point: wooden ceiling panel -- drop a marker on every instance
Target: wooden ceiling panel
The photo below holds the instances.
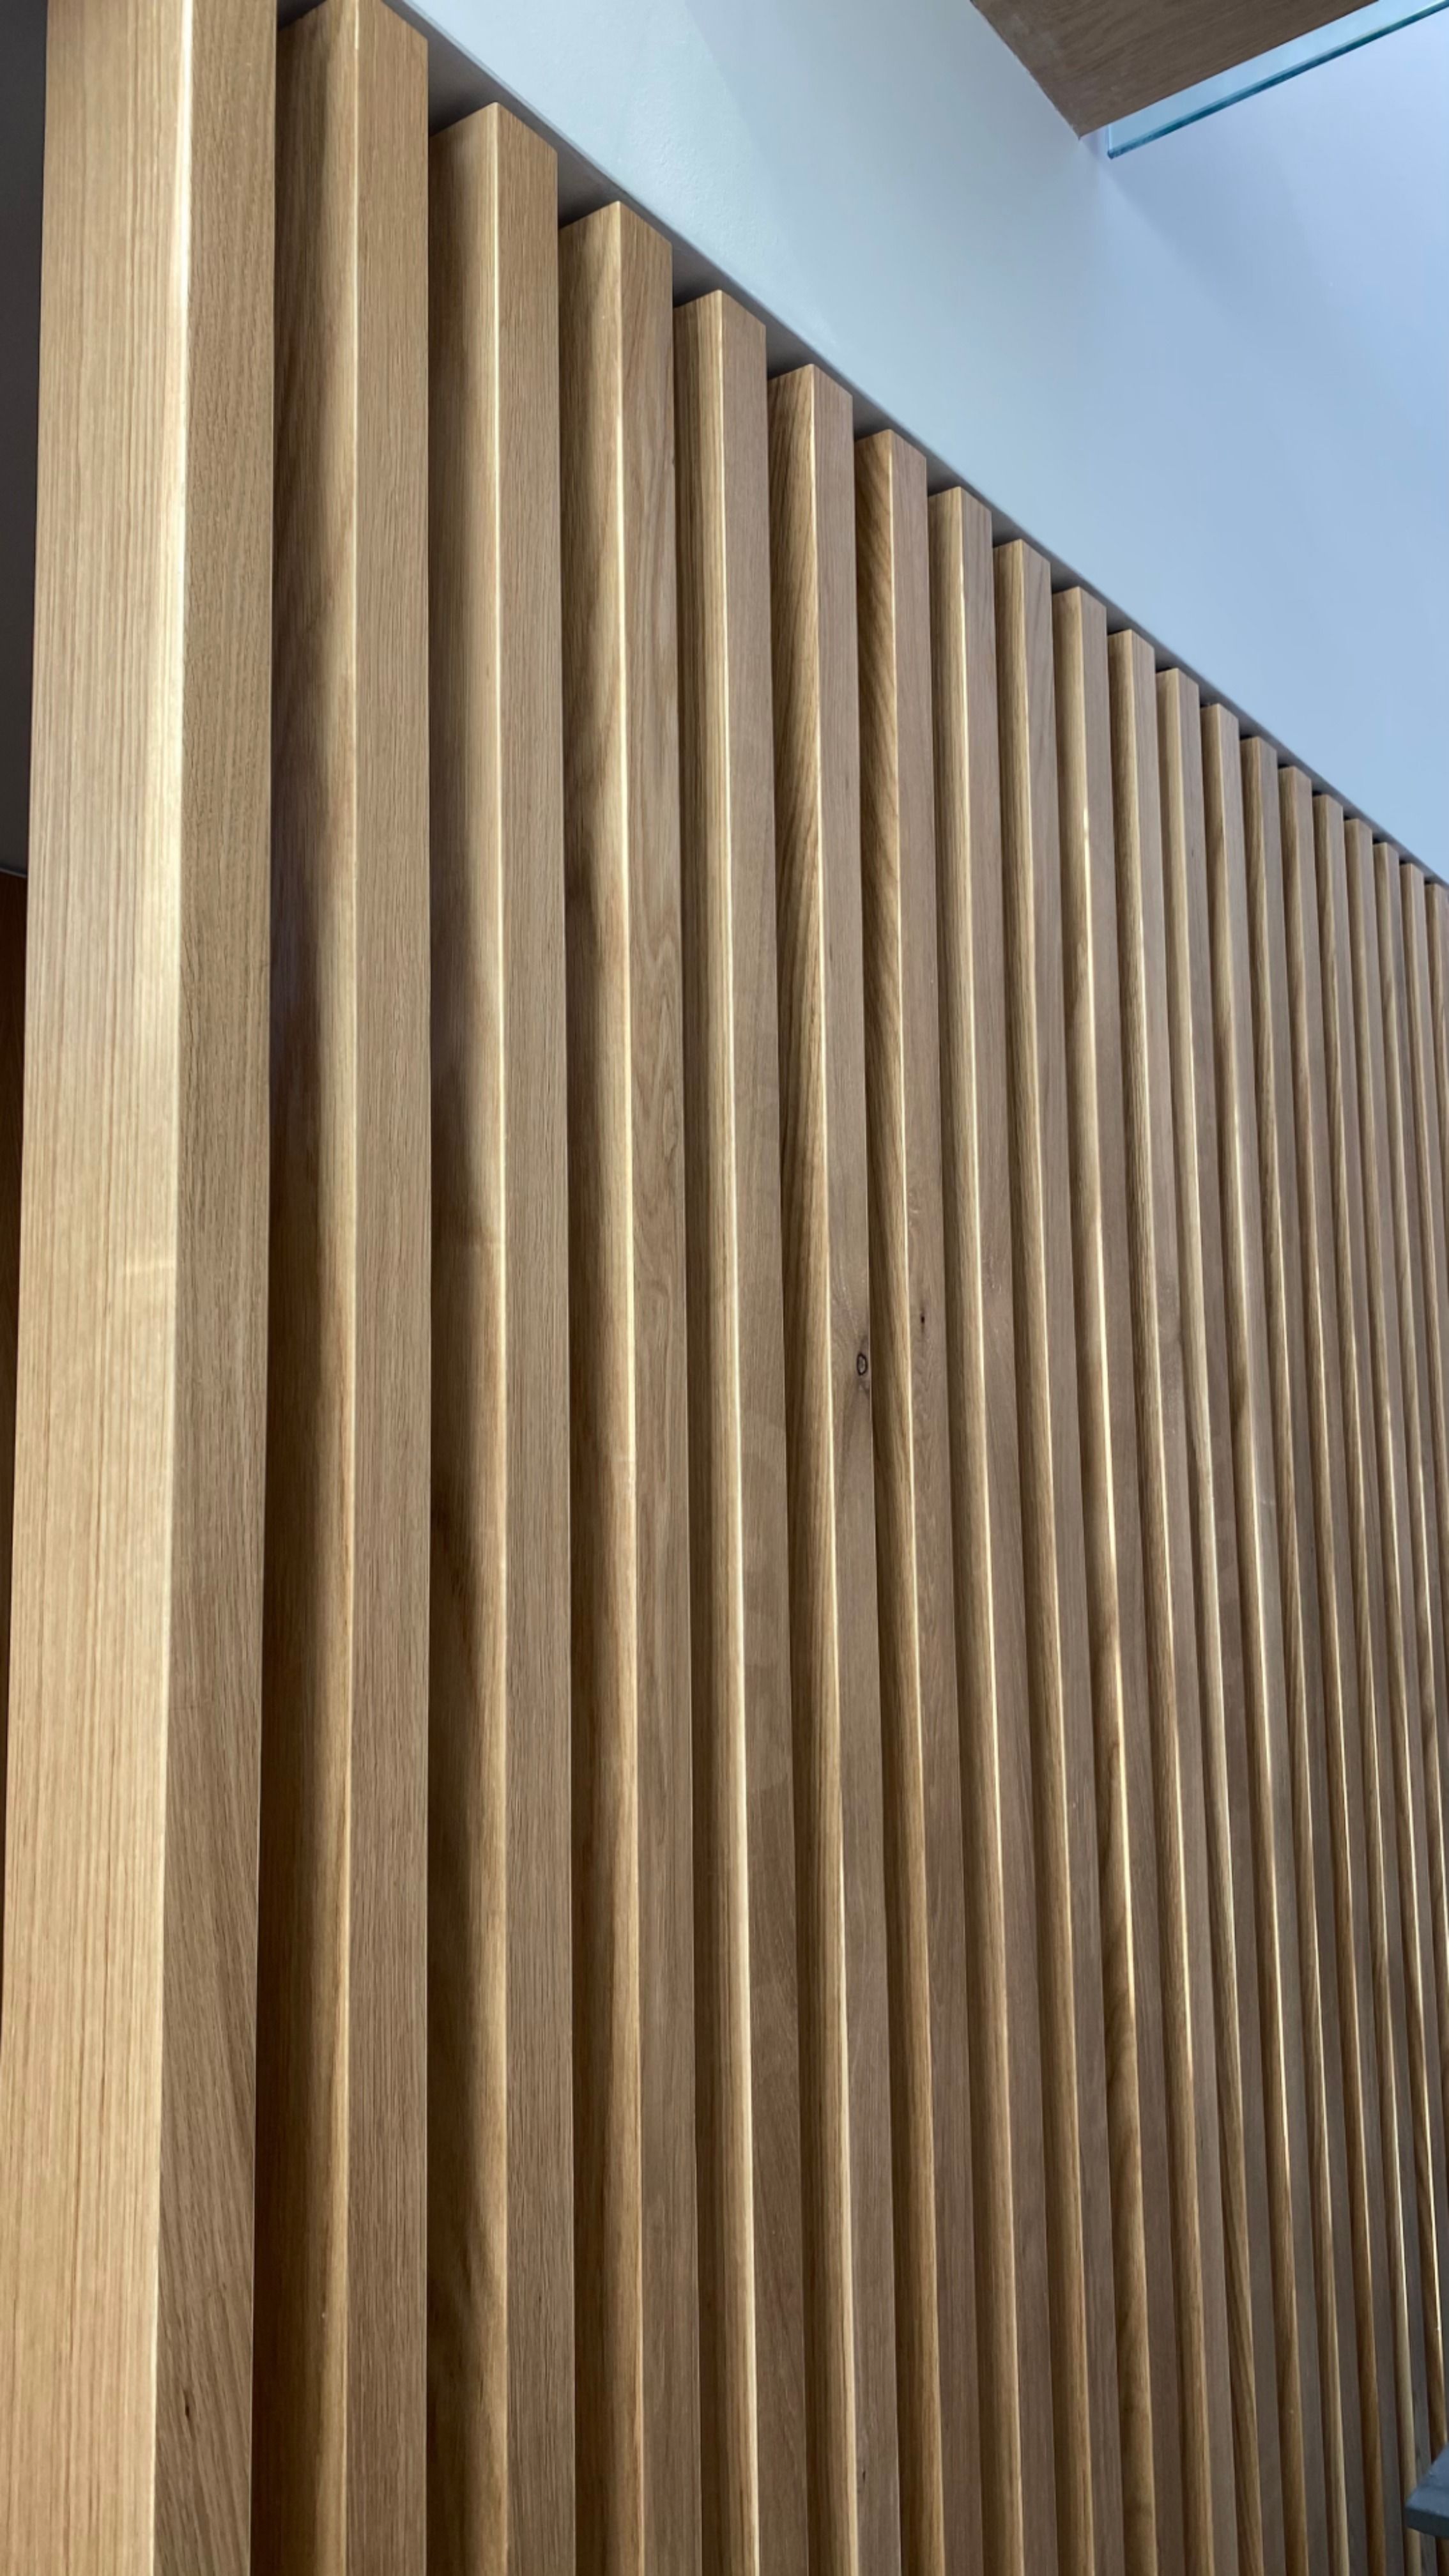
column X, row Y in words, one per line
column 1100, row 59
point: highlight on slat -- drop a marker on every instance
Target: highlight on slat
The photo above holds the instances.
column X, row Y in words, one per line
column 1314, row 1539
column 1399, row 2012
column 1074, row 2047
column 637, row 2401
column 1436, row 904
column 939, row 2416
column 1207, row 2256
column 1316, row 2518
column 1147, row 2364
column 752, row 2317
column 14, row 897
column 500, row 2046
column 135, row 1375
column 339, row 2389
column 835, row 1673
column 1008, row 2173
column 1358, row 956
column 1235, row 1930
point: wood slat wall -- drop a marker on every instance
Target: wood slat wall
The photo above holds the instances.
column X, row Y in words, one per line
column 783, row 1813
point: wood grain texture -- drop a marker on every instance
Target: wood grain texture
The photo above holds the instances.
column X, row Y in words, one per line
column 1074, row 2047
column 1009, row 2181
column 127, row 2082
column 936, row 2349
column 1147, row 2365
column 1429, row 1257
column 500, row 2048
column 1314, row 1545
column 1289, row 1985
column 1221, row 1649
column 1391, row 1367
column 1413, row 1281
column 13, row 899
column 1200, row 2267
column 752, row 2317
column 1112, row 56
column 339, row 2396
column 1391, row 1924
column 835, row 1671
column 637, row 2398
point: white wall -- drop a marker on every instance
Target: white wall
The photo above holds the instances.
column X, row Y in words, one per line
column 1213, row 378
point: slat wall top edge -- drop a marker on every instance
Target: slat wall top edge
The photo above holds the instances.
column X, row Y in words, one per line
column 460, row 85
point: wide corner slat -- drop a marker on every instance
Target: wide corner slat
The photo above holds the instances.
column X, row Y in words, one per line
column 126, row 2090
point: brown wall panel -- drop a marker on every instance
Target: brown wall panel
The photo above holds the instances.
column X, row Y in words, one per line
column 752, row 2328
column 127, row 2083
column 1289, row 1990
column 1202, row 2268
column 637, row 2402
column 1013, row 2313
column 1428, row 1259
column 1351, row 925
column 939, row 2413
column 1243, row 798
column 1079, row 2198
column 1221, row 1644
column 1329, row 1823
column 730, row 1852
column 840, row 1879
column 1399, row 2015
column 500, row 2048
column 1412, row 1280
column 1147, row 2366
column 340, row 2381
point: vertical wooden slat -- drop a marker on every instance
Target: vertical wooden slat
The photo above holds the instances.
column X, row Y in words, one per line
column 835, row 1673
column 500, row 2090
column 752, row 2332
column 635, row 2243
column 1260, row 2479
column 1308, row 1431
column 1244, row 808
column 1288, row 1994
column 1126, row 1820
column 1429, row 1253
column 1353, row 930
column 1391, row 1922
column 1208, row 2261
column 1079, row 2198
column 1436, row 906
column 1009, row 2183
column 1413, row 1288
column 340, row 2383
column 13, row 894
column 939, row 2410
column 1436, row 1043
column 126, row 2093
